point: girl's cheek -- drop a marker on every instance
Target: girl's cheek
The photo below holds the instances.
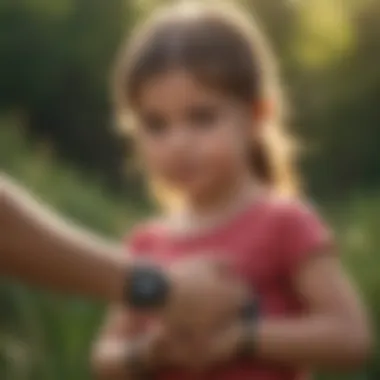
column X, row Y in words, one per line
column 157, row 158
column 153, row 161
column 148, row 153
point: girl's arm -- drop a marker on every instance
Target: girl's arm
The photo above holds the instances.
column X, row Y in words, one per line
column 334, row 329
column 334, row 333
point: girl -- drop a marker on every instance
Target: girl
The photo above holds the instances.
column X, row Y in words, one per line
column 203, row 89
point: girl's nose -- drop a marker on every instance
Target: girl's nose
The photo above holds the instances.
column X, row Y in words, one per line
column 180, row 138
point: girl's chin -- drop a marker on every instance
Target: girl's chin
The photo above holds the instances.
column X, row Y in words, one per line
column 192, row 188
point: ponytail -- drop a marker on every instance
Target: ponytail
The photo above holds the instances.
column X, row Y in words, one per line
column 272, row 161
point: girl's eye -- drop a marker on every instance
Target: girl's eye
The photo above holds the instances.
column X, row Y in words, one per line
column 154, row 125
column 203, row 116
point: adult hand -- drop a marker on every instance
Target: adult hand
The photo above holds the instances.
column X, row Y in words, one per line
column 224, row 347
column 204, row 296
column 214, row 351
column 205, row 300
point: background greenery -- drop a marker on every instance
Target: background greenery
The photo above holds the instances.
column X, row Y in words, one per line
column 57, row 136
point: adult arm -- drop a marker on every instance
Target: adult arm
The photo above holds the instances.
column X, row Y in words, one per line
column 39, row 248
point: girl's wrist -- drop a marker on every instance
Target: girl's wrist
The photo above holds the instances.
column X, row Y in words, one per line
column 247, row 345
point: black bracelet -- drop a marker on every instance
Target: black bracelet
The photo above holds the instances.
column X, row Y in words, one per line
column 249, row 315
column 147, row 287
column 250, row 311
column 247, row 346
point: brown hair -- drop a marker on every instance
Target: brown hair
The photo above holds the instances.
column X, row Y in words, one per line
column 225, row 51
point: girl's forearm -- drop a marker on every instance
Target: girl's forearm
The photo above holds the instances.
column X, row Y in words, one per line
column 311, row 341
column 39, row 248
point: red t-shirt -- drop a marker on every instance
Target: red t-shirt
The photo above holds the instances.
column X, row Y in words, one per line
column 266, row 243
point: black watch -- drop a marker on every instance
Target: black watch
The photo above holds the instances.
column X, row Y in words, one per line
column 147, row 287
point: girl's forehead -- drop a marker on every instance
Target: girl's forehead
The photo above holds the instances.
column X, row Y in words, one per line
column 177, row 88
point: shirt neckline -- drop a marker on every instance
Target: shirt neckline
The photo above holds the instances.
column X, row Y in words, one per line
column 219, row 229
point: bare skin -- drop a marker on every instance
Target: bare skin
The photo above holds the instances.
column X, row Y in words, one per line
column 39, row 248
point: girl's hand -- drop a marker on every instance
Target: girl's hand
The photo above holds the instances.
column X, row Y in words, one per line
column 155, row 347
column 213, row 351
column 163, row 349
column 225, row 346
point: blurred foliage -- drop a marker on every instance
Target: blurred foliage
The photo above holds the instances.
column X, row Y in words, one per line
column 56, row 58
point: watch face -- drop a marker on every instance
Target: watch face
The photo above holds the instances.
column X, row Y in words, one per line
column 148, row 287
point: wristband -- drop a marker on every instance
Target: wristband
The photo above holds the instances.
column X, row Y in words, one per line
column 250, row 311
column 147, row 287
column 247, row 344
column 249, row 315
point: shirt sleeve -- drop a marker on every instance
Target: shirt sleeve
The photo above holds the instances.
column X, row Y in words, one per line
column 304, row 235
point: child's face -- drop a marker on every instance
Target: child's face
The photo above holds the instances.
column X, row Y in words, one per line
column 192, row 137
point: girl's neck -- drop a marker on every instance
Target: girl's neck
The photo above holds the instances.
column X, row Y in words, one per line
column 208, row 212
column 222, row 198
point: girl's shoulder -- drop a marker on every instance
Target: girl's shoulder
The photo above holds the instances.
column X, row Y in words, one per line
column 287, row 209
column 301, row 231
column 296, row 217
